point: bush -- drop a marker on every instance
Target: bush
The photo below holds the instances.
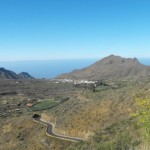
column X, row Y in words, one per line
column 142, row 116
column 121, row 141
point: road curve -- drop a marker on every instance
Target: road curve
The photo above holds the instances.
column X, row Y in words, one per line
column 50, row 132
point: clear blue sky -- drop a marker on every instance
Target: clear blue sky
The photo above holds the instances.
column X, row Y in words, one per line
column 60, row 29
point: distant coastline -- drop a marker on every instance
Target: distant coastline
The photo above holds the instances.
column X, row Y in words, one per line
column 52, row 68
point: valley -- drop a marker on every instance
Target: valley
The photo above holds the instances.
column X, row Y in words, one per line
column 105, row 112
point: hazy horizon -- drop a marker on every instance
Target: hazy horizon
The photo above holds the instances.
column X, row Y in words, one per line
column 36, row 33
column 52, row 68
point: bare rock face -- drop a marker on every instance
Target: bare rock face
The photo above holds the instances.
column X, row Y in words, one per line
column 111, row 67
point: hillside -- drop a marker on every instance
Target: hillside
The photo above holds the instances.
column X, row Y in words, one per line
column 108, row 117
column 110, row 67
column 102, row 116
column 25, row 75
column 8, row 74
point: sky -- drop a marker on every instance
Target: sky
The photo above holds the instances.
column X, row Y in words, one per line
column 73, row 29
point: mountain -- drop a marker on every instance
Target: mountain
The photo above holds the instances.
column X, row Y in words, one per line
column 110, row 67
column 8, row 74
column 25, row 75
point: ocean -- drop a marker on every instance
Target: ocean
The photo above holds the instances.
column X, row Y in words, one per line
column 46, row 68
column 52, row 68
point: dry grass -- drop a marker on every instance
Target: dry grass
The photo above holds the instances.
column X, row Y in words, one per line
column 83, row 115
column 25, row 134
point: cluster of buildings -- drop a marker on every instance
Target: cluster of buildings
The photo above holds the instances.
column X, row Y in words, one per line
column 73, row 81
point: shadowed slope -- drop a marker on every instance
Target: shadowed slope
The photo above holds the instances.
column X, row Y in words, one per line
column 8, row 74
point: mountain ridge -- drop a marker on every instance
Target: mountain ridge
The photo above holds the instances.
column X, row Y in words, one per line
column 8, row 74
column 110, row 67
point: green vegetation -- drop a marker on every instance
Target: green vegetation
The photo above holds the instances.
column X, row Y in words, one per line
column 104, row 116
column 142, row 116
column 118, row 136
column 45, row 104
column 130, row 134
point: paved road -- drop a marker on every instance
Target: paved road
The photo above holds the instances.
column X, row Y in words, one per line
column 50, row 132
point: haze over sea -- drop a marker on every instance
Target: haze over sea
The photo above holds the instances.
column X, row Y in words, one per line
column 52, row 68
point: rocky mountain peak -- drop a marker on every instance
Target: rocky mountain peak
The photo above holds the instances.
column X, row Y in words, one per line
column 110, row 67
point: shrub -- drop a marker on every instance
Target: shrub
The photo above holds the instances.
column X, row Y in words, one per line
column 142, row 116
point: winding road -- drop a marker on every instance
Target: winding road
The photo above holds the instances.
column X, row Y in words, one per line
column 50, row 132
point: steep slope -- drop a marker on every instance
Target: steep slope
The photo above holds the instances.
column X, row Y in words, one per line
column 8, row 74
column 25, row 75
column 110, row 67
column 106, row 110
